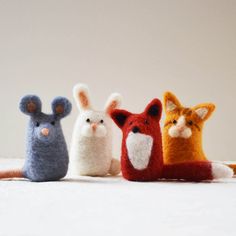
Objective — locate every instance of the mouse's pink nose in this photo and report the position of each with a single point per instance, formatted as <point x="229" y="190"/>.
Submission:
<point x="45" y="132"/>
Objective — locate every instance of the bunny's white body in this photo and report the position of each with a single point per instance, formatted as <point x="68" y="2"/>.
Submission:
<point x="91" y="148"/>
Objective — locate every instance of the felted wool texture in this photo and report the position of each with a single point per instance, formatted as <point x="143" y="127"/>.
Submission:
<point x="144" y="124"/>
<point x="179" y="149"/>
<point x="184" y="157"/>
<point x="91" y="147"/>
<point x="135" y="168"/>
<point x="46" y="156"/>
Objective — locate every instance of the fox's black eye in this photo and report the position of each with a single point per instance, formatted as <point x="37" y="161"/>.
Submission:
<point x="175" y="122"/>
<point x="53" y="123"/>
<point x="88" y="120"/>
<point x="190" y="122"/>
<point x="101" y="121"/>
<point x="37" y="124"/>
<point x="130" y="123"/>
<point x="146" y="122"/>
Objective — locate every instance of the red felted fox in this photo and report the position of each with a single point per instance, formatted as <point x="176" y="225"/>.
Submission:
<point x="142" y="157"/>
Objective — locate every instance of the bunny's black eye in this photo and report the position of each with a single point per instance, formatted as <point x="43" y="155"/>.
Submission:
<point x="190" y="122"/>
<point x="146" y="122"/>
<point x="101" y="121"/>
<point x="37" y="124"/>
<point x="175" y="122"/>
<point x="53" y="123"/>
<point x="88" y="120"/>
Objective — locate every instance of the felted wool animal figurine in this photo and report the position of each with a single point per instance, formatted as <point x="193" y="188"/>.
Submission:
<point x="91" y="148"/>
<point x="142" y="157"/>
<point x="182" y="138"/>
<point x="47" y="155"/>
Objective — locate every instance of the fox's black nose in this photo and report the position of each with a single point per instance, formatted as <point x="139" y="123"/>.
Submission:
<point x="135" y="129"/>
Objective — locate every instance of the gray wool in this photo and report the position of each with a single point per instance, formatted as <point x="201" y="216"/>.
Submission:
<point x="46" y="156"/>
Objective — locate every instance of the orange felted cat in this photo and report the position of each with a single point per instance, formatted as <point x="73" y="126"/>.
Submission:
<point x="183" y="130"/>
<point x="182" y="141"/>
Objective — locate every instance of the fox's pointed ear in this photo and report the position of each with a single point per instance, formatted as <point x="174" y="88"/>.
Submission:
<point x="204" y="111"/>
<point x="81" y="96"/>
<point x="154" y="109"/>
<point x="171" y="103"/>
<point x="113" y="102"/>
<point x="120" y="117"/>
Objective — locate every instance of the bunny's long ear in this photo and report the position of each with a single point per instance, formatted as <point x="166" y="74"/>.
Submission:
<point x="171" y="103"/>
<point x="113" y="102"/>
<point x="204" y="111"/>
<point x="61" y="107"/>
<point x="30" y="105"/>
<point x="81" y="96"/>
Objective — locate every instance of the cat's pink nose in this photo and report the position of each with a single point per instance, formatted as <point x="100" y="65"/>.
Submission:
<point x="45" y="132"/>
<point x="180" y="128"/>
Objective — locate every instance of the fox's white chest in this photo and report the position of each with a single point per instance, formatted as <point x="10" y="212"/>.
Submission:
<point x="139" y="147"/>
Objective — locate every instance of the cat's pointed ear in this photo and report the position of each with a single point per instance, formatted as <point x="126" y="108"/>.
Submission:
<point x="203" y="111"/>
<point x="154" y="109"/>
<point x="113" y="102"/>
<point x="30" y="105"/>
<point x="61" y="107"/>
<point x="171" y="103"/>
<point x="120" y="117"/>
<point x="81" y="96"/>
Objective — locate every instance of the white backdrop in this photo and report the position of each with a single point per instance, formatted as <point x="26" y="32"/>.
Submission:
<point x="137" y="48"/>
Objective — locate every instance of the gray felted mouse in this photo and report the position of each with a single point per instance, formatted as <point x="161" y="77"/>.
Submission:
<point x="46" y="156"/>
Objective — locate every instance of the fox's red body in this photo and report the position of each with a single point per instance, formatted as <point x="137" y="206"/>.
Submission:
<point x="147" y="123"/>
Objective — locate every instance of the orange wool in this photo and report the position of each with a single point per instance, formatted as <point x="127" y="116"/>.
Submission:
<point x="182" y="135"/>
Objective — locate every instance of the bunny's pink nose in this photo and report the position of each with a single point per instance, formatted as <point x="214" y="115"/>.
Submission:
<point x="45" y="132"/>
<point x="94" y="126"/>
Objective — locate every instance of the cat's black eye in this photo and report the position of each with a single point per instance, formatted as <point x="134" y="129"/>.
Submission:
<point x="88" y="120"/>
<point x="175" y="122"/>
<point x="37" y="124"/>
<point x="146" y="122"/>
<point x="53" y="123"/>
<point x="101" y="121"/>
<point x="190" y="122"/>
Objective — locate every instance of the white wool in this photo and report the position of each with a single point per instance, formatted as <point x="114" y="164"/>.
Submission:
<point x="91" y="148"/>
<point x="220" y="171"/>
<point x="170" y="106"/>
<point x="180" y="130"/>
<point x="139" y="148"/>
<point x="202" y="112"/>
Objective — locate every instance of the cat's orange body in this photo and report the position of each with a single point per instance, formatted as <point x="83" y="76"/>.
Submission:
<point x="182" y="135"/>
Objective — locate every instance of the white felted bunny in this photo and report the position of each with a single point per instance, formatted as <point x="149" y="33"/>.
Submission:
<point x="91" y="148"/>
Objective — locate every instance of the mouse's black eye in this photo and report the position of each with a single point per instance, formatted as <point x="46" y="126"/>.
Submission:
<point x="53" y="123"/>
<point x="101" y="121"/>
<point x="146" y="122"/>
<point x="88" y="120"/>
<point x="37" y="124"/>
<point x="174" y="122"/>
<point x="190" y="122"/>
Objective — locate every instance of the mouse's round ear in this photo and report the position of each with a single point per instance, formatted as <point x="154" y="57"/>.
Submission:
<point x="81" y="96"/>
<point x="61" y="107"/>
<point x="30" y="105"/>
<point x="113" y="102"/>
